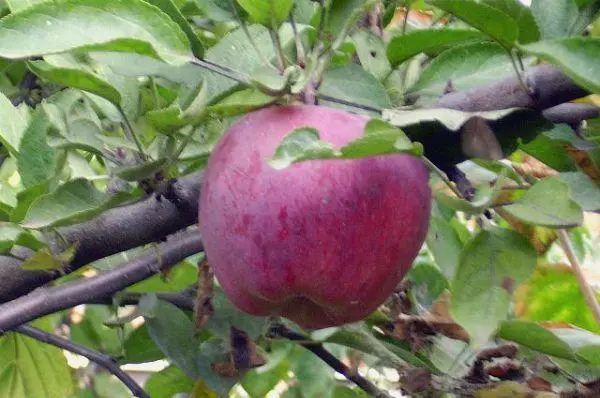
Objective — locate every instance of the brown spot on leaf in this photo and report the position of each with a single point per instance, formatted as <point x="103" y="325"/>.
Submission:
<point x="509" y="284"/>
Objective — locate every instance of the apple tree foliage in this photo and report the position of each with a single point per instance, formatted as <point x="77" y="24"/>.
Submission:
<point x="104" y="103"/>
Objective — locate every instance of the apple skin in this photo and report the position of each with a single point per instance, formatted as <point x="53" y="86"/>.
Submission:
<point x="322" y="243"/>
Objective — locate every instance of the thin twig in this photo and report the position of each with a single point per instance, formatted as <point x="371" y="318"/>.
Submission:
<point x="329" y="359"/>
<point x="101" y="359"/>
<point x="300" y="52"/>
<point x="278" y="49"/>
<point x="349" y="103"/>
<point x="222" y="70"/>
<point x="442" y="176"/>
<point x="405" y="20"/>
<point x="586" y="289"/>
<point x="274" y="33"/>
<point x="130" y="133"/>
<point x="519" y="73"/>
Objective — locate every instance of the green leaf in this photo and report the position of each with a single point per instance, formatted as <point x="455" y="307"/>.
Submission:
<point x="178" y="279"/>
<point x="30" y="368"/>
<point x="241" y="102"/>
<point x="18" y="5"/>
<point x="215" y="350"/>
<point x="549" y="147"/>
<point x="522" y="15"/>
<point x="137" y="65"/>
<point x="401" y="48"/>
<point x="76" y="78"/>
<point x="364" y="90"/>
<point x="578" y="57"/>
<point x="582" y="190"/>
<point x="553" y="294"/>
<point x="554" y="18"/>
<point x="303" y="143"/>
<point x="25" y="198"/>
<point x="444" y="244"/>
<point x="548" y="204"/>
<point x="9" y="233"/>
<point x="139" y="347"/>
<point x="340" y="11"/>
<point x="93" y="333"/>
<point x="492" y="265"/>
<point x="75" y="201"/>
<point x="489" y="20"/>
<point x="172" y="331"/>
<point x="449" y="118"/>
<point x="169" y="8"/>
<point x="37" y="160"/>
<point x="266" y="12"/>
<point x="12" y="125"/>
<point x="45" y="260"/>
<point x="135" y="26"/>
<point x="371" y="52"/>
<point x="257" y="384"/>
<point x="12" y="234"/>
<point x="359" y="337"/>
<point x="379" y="138"/>
<point x="465" y="66"/>
<point x="141" y="171"/>
<point x="168" y="382"/>
<point x="315" y="377"/>
<point x="268" y="80"/>
<point x="227" y="315"/>
<point x="531" y="335"/>
<point x="235" y="51"/>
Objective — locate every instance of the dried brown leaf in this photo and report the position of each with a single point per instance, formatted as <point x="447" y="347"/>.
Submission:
<point x="203" y="308"/>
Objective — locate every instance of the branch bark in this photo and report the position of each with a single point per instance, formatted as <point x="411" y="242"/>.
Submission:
<point x="48" y="300"/>
<point x="550" y="86"/>
<point x="114" y="231"/>
<point x="101" y="359"/>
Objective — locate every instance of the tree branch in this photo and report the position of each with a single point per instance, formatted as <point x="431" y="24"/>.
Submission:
<point x="329" y="359"/>
<point x="48" y="300"/>
<point x="183" y="300"/>
<point x="551" y="87"/>
<point x="101" y="359"/>
<point x="572" y="114"/>
<point x="112" y="232"/>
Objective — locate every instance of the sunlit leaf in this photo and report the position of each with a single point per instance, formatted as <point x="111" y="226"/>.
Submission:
<point x="401" y="48"/>
<point x="491" y="267"/>
<point x="135" y="26"/>
<point x="578" y="57"/>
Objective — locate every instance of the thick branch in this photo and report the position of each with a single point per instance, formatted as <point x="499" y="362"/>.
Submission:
<point x="572" y="114"/>
<point x="114" y="231"/>
<point x="48" y="300"/>
<point x="329" y="359"/>
<point x="183" y="300"/>
<point x="101" y="359"/>
<point x="550" y="86"/>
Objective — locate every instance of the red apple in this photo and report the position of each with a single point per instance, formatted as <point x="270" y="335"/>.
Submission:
<point x="322" y="242"/>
